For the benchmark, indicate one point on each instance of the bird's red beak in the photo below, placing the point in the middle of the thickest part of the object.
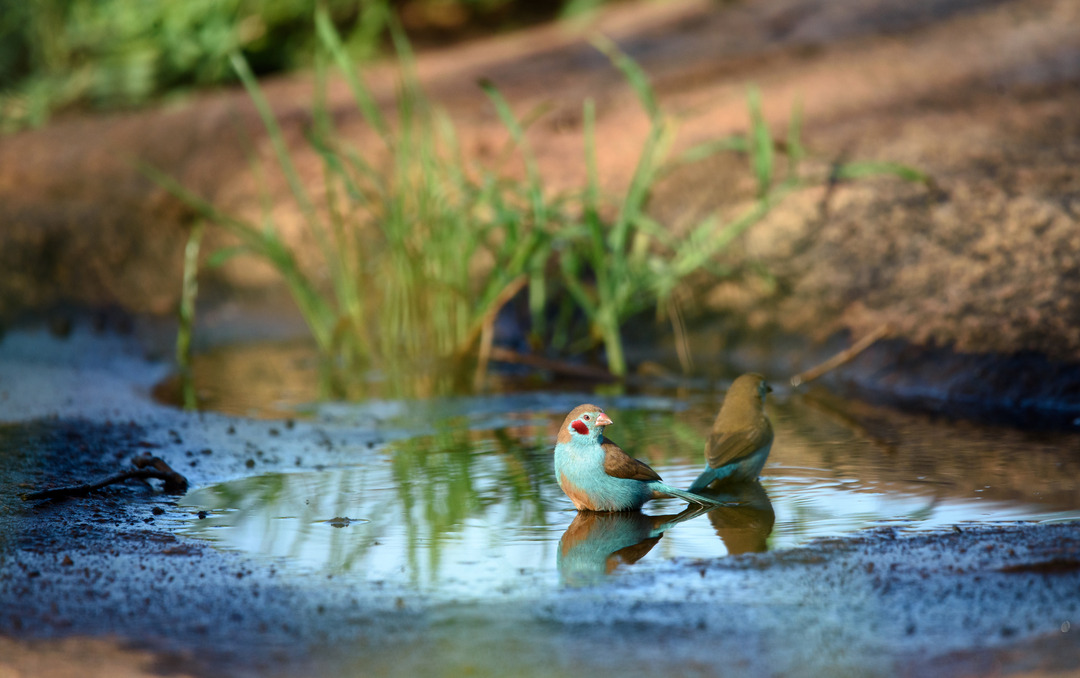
(603, 420)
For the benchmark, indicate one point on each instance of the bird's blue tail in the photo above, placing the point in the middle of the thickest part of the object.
(710, 475)
(687, 496)
(703, 480)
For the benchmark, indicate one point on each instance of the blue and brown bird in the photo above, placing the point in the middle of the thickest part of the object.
(741, 436)
(598, 476)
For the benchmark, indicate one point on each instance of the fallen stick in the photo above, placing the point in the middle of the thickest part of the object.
(842, 357)
(146, 467)
(505, 355)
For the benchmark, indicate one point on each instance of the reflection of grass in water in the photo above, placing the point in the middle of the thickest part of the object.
(300, 496)
(435, 486)
(441, 485)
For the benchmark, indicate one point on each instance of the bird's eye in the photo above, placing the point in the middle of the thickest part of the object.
(586, 417)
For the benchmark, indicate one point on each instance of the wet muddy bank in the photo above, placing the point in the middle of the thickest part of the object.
(112, 577)
(1026, 390)
(881, 603)
(975, 600)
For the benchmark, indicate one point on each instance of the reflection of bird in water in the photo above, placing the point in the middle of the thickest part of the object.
(597, 475)
(741, 435)
(744, 528)
(597, 543)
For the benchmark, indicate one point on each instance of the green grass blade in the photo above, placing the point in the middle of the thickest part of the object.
(651, 157)
(330, 39)
(795, 150)
(707, 149)
(571, 268)
(595, 244)
(219, 257)
(592, 177)
(633, 73)
(189, 292)
(402, 47)
(645, 175)
(861, 170)
(372, 23)
(277, 138)
(517, 133)
(316, 311)
(761, 143)
(709, 241)
(654, 230)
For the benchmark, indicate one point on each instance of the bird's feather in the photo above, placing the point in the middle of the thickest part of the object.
(619, 464)
(663, 489)
(729, 446)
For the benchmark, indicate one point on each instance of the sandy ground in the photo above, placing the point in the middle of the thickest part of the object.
(107, 585)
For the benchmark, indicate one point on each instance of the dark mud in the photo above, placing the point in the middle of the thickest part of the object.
(1024, 389)
(108, 580)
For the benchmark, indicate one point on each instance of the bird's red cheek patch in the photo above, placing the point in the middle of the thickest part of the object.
(580, 427)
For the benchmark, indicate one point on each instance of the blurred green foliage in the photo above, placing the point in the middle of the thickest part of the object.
(118, 53)
(56, 54)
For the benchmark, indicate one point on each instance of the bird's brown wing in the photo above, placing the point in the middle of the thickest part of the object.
(724, 448)
(621, 465)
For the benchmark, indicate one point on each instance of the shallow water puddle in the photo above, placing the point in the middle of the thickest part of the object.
(473, 510)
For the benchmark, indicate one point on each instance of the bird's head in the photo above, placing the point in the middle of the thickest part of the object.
(584, 421)
(748, 389)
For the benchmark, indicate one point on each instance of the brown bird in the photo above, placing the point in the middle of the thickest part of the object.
(741, 435)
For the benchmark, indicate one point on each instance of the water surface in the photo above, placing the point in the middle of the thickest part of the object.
(468, 508)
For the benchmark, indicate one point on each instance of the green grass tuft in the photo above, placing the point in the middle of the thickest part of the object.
(422, 247)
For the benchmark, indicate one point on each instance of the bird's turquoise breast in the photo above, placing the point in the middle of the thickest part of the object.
(579, 469)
